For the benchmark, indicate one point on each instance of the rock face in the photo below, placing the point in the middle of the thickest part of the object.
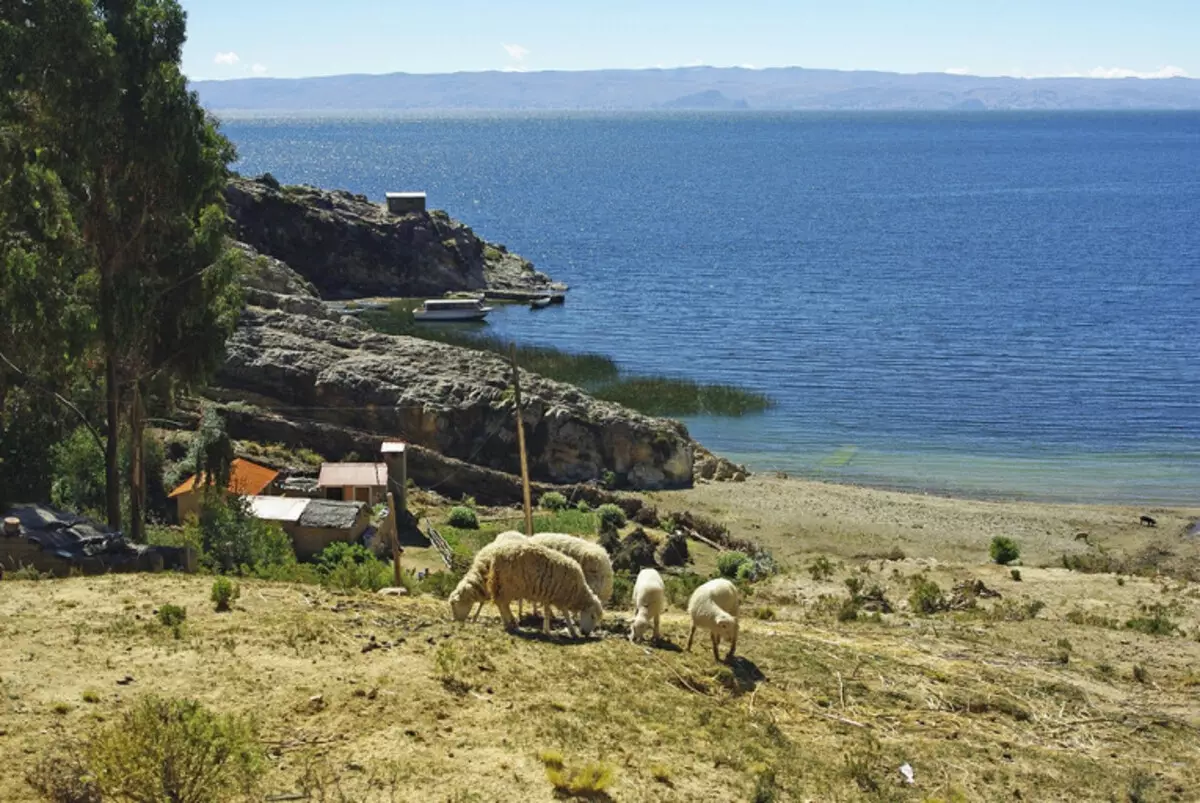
(454, 401)
(348, 247)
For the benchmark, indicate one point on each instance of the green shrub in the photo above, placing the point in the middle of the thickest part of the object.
(463, 518)
(622, 596)
(680, 586)
(78, 469)
(583, 506)
(610, 540)
(609, 480)
(926, 597)
(439, 584)
(176, 750)
(270, 181)
(675, 550)
(610, 517)
(224, 592)
(729, 562)
(1154, 621)
(636, 553)
(745, 572)
(1004, 550)
(848, 610)
(349, 567)
(1016, 575)
(821, 569)
(234, 541)
(590, 780)
(172, 616)
(553, 500)
(764, 612)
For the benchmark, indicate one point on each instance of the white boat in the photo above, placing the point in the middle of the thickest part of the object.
(452, 309)
(541, 303)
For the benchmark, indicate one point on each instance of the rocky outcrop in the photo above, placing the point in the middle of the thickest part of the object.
(271, 284)
(348, 247)
(451, 400)
(708, 466)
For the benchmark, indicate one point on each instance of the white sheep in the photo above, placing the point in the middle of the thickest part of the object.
(714, 607)
(533, 572)
(591, 557)
(649, 601)
(508, 536)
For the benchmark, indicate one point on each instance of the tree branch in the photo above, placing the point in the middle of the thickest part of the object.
(62, 399)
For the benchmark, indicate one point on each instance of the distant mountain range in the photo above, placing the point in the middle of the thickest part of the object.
(733, 88)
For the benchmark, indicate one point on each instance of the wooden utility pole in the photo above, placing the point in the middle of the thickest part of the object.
(521, 443)
(392, 526)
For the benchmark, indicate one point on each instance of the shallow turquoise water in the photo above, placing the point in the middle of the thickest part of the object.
(990, 304)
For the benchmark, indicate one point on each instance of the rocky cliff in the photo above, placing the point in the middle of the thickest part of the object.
(454, 401)
(348, 247)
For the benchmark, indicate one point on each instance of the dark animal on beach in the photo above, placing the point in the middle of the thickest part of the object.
(1082, 537)
(1148, 522)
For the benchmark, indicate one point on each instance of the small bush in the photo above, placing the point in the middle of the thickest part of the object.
(848, 610)
(746, 573)
(622, 595)
(91, 696)
(661, 773)
(609, 480)
(176, 750)
(680, 587)
(224, 592)
(610, 540)
(270, 181)
(926, 597)
(439, 584)
(728, 563)
(553, 501)
(583, 506)
(592, 779)
(821, 569)
(234, 541)
(172, 616)
(1139, 674)
(1154, 621)
(610, 517)
(764, 612)
(636, 553)
(1004, 550)
(675, 550)
(463, 518)
(1016, 575)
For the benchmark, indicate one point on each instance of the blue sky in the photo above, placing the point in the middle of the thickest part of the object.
(292, 38)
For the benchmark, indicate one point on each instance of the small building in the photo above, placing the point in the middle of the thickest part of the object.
(326, 521)
(402, 203)
(354, 482)
(245, 479)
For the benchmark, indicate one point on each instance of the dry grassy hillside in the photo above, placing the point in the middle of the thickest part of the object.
(368, 698)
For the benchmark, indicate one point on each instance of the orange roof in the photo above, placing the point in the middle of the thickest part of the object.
(245, 478)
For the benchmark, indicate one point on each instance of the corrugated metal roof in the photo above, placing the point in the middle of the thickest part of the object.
(353, 475)
(245, 478)
(277, 508)
(331, 514)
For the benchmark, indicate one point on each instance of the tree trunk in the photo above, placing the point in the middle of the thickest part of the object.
(137, 468)
(112, 451)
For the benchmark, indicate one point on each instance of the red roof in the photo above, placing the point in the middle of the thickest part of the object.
(245, 479)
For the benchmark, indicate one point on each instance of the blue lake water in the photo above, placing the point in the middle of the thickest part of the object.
(988, 304)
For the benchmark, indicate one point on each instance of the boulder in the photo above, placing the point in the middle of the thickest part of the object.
(348, 247)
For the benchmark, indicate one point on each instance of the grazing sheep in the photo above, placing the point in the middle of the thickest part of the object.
(714, 607)
(649, 601)
(508, 536)
(473, 587)
(533, 572)
(592, 558)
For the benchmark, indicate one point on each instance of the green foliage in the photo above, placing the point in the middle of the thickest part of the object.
(1016, 575)
(675, 550)
(622, 596)
(610, 539)
(583, 506)
(269, 180)
(463, 518)
(176, 750)
(352, 567)
(78, 464)
(680, 586)
(1004, 550)
(609, 480)
(173, 617)
(1155, 620)
(224, 592)
(610, 516)
(821, 569)
(745, 572)
(211, 453)
(233, 541)
(552, 500)
(926, 597)
(728, 563)
(439, 584)
(636, 553)
(673, 397)
(764, 612)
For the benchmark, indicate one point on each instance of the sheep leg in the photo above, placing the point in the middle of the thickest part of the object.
(657, 635)
(570, 625)
(546, 620)
(478, 611)
(506, 614)
(691, 636)
(732, 647)
(716, 641)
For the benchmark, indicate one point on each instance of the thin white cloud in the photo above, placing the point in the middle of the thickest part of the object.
(1123, 72)
(259, 69)
(516, 52)
(227, 58)
(957, 71)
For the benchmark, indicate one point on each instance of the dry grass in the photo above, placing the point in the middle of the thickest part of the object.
(362, 698)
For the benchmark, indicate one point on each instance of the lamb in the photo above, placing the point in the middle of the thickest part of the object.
(649, 601)
(592, 558)
(714, 607)
(531, 571)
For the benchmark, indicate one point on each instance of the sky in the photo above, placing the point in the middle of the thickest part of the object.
(298, 38)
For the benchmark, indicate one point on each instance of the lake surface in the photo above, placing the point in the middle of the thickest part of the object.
(988, 304)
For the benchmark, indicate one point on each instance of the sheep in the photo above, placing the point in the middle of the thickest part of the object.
(592, 558)
(714, 607)
(531, 571)
(503, 538)
(649, 601)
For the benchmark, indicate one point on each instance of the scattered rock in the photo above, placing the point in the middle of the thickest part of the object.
(316, 702)
(125, 681)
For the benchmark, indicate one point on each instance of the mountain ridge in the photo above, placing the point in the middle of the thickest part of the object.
(772, 89)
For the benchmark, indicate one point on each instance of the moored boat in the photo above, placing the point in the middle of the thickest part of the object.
(452, 309)
(541, 303)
